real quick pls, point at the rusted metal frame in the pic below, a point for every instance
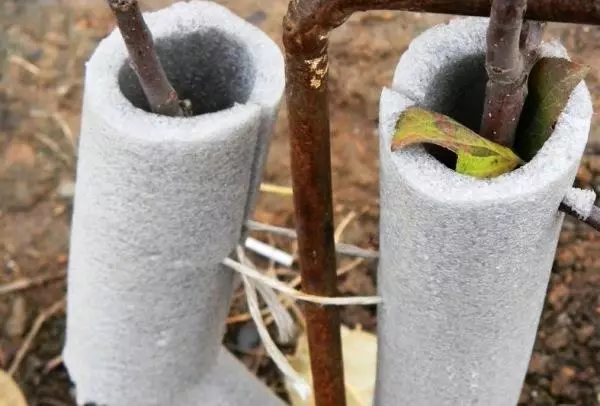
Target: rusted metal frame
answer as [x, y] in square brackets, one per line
[305, 36]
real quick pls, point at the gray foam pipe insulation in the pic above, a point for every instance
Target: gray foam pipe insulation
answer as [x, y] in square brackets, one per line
[159, 202]
[464, 262]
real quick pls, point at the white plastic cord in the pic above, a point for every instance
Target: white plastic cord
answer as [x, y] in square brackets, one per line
[277, 310]
[256, 276]
[255, 281]
[284, 322]
[277, 255]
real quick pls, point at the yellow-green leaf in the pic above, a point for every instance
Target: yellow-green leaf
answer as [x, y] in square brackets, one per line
[10, 393]
[477, 156]
[360, 365]
[551, 82]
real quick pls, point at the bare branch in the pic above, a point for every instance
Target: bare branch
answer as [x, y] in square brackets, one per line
[511, 53]
[593, 220]
[27, 283]
[161, 96]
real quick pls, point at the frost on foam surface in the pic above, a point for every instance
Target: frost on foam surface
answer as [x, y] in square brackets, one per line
[464, 262]
[159, 203]
[580, 201]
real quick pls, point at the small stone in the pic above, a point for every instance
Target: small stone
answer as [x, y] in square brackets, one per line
[558, 296]
[563, 320]
[565, 258]
[568, 372]
[62, 259]
[584, 333]
[558, 339]
[66, 189]
[19, 153]
[538, 364]
[561, 383]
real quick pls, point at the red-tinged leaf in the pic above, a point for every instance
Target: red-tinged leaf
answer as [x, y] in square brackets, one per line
[477, 156]
[551, 82]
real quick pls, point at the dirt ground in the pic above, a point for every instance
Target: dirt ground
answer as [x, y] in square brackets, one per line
[40, 95]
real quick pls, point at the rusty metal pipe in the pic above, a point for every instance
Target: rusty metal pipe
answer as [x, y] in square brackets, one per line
[305, 36]
[311, 173]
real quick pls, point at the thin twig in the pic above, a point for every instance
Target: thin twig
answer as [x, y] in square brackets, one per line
[56, 308]
[28, 283]
[162, 97]
[512, 49]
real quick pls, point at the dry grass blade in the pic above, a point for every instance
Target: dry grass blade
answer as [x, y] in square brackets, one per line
[25, 64]
[339, 231]
[276, 189]
[54, 309]
[66, 130]
[54, 147]
[28, 283]
[53, 364]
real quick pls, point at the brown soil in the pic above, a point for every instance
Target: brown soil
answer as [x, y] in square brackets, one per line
[40, 95]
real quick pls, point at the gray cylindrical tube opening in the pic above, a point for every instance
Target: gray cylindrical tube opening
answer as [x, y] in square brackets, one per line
[209, 68]
[462, 98]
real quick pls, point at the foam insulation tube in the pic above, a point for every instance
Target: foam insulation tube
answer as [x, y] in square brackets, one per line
[159, 202]
[464, 263]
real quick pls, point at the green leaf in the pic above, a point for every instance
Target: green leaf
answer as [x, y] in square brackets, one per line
[477, 156]
[551, 82]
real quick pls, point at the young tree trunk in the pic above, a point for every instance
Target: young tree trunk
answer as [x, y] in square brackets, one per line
[512, 50]
[161, 96]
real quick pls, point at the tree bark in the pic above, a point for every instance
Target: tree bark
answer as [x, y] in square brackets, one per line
[511, 53]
